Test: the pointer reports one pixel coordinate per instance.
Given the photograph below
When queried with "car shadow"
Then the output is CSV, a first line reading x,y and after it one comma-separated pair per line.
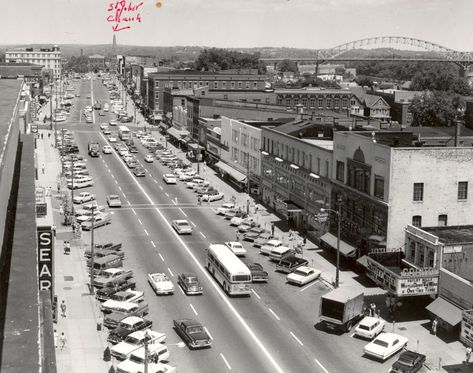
x,y
320,326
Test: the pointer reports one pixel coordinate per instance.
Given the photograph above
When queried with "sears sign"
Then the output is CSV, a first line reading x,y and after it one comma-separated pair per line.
x,y
45,259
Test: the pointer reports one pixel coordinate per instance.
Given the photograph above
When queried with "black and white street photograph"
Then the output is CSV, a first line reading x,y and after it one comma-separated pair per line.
x,y
246,186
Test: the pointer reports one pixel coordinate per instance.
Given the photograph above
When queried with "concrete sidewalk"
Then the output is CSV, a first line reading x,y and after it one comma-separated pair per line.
x,y
84,347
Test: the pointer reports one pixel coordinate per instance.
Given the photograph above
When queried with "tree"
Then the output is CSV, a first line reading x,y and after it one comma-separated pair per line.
x,y
435,109
287,65
364,81
216,59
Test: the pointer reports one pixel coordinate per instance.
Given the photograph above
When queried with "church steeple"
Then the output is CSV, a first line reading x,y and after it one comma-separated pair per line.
x,y
114,46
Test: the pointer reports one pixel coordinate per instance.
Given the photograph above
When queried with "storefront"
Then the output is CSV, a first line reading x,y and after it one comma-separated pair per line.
x,y
233,174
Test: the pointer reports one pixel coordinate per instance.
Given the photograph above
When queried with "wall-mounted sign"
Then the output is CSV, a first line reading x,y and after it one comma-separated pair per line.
x,y
45,259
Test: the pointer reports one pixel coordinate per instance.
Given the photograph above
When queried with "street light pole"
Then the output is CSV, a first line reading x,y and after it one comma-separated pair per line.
x,y
51,104
338,212
92,251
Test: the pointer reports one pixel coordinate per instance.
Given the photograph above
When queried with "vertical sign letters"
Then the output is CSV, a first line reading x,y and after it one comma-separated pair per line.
x,y
45,259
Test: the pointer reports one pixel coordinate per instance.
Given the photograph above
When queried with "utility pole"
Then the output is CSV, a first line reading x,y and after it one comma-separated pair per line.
x,y
146,352
92,251
339,218
51,104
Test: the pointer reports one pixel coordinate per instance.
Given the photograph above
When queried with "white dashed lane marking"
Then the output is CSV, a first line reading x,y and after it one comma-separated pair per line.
x,y
297,339
203,235
152,243
193,309
193,224
139,221
225,361
170,272
146,232
256,294
274,314
161,257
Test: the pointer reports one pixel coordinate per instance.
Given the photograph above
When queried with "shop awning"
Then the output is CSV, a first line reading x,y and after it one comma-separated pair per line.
x,y
194,146
237,175
345,249
292,206
446,311
174,132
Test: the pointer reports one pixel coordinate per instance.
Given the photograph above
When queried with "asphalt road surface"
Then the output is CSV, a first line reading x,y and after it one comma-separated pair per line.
x,y
273,330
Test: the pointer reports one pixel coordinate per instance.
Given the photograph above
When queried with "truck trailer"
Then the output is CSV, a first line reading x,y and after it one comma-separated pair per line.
x,y
341,308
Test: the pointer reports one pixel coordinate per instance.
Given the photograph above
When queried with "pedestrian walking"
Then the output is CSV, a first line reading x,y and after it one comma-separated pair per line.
x,y
290,234
41,135
62,340
237,236
63,308
468,355
372,310
434,326
56,338
42,167
49,135
272,229
304,240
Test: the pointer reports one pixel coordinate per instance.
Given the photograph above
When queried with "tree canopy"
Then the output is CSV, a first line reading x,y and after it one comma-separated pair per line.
x,y
287,65
435,109
216,59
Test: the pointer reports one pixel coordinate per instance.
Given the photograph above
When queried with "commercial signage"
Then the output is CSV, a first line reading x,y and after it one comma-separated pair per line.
x,y
45,259
408,282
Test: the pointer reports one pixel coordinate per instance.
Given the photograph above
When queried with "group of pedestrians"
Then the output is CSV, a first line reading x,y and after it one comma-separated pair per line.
x,y
60,340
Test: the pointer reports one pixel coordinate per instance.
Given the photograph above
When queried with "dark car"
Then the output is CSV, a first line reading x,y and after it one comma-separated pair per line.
x,y
408,362
106,292
139,171
253,233
192,333
133,149
262,239
190,284
127,326
258,274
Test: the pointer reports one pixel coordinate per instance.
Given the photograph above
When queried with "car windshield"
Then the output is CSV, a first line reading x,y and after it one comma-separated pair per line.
x,y
381,343
405,360
363,327
300,273
195,329
133,340
183,224
136,359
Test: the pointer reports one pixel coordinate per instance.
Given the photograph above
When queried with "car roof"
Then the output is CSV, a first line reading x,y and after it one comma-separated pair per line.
x,y
132,320
369,321
389,337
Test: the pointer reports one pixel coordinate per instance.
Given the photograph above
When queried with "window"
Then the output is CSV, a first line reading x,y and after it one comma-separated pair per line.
x,y
233,85
247,85
240,85
235,154
244,139
235,135
304,102
417,221
337,103
379,186
344,102
462,189
329,103
442,220
288,102
296,101
312,103
327,169
321,103
255,85
418,191
340,171
215,85
318,166
224,85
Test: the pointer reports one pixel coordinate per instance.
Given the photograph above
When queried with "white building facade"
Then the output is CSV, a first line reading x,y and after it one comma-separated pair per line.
x,y
50,58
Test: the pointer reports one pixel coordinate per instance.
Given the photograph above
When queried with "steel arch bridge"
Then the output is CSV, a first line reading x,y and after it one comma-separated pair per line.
x,y
442,54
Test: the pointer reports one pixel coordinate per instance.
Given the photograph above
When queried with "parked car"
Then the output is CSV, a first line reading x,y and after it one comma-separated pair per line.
x,y
139,171
385,345
258,274
112,138
149,158
239,220
192,333
83,197
113,122
127,326
182,226
213,196
111,320
223,208
303,275
113,200
169,179
408,362
128,296
369,327
236,247
107,149
104,293
112,275
160,283
134,340
98,220
253,233
270,245
189,282
262,239
156,353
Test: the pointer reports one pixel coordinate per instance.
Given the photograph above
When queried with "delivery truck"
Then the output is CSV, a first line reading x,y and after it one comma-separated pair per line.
x,y
341,308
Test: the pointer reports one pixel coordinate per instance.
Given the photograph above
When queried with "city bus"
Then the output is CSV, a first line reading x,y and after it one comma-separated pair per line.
x,y
124,133
229,271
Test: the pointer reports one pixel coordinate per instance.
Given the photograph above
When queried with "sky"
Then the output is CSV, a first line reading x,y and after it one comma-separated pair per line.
x,y
313,24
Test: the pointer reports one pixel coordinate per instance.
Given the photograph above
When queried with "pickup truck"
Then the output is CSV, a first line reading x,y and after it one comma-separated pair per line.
x,y
111,320
290,263
192,333
112,274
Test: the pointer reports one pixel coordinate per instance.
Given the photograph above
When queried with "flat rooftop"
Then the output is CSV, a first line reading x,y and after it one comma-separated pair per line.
x,y
327,144
459,234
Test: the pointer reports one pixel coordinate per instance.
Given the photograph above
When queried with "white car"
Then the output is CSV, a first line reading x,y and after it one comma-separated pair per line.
x,y
149,158
80,183
129,295
369,327
107,149
236,247
225,207
84,197
136,360
81,218
160,283
213,197
237,221
113,200
112,138
197,183
86,209
303,275
169,179
184,176
113,122
134,341
182,226
104,126
269,246
385,345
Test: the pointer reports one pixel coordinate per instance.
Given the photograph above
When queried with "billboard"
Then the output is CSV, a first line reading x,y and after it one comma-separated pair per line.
x,y
45,259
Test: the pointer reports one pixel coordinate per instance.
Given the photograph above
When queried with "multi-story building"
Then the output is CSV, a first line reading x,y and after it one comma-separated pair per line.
x,y
383,182
296,169
50,58
369,106
97,61
399,102
240,154
313,99
183,79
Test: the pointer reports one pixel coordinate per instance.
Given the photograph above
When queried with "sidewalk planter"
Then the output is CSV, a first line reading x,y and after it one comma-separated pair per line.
x,y
106,355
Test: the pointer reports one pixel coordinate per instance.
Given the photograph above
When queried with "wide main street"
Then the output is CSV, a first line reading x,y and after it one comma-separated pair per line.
x,y
273,330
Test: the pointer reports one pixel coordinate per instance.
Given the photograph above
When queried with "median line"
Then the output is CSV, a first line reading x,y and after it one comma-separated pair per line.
x,y
152,243
161,257
139,221
193,224
297,339
225,361
274,314
183,213
255,293
146,232
193,309
134,212
172,274
203,235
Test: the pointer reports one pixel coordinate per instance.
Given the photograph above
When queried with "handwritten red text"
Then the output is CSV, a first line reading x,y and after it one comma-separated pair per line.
x,y
122,14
